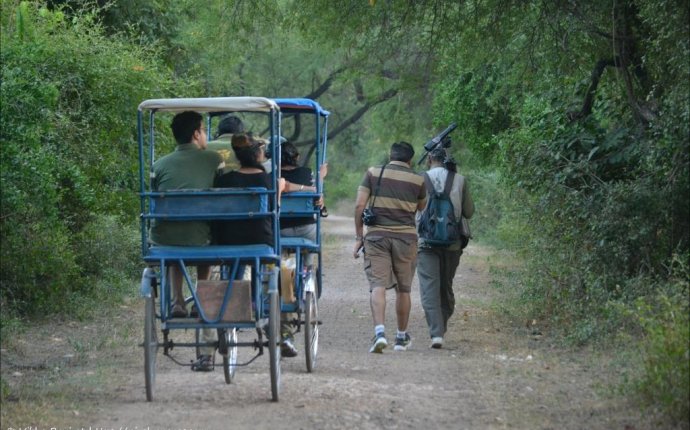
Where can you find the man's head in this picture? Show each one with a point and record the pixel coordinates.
(402, 151)
(188, 127)
(230, 124)
(437, 156)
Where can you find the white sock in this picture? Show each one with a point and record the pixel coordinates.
(401, 334)
(379, 329)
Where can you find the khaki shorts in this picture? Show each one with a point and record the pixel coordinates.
(390, 263)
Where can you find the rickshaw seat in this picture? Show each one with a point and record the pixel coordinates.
(210, 204)
(213, 253)
(298, 242)
(298, 204)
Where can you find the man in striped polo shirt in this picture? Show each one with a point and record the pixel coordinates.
(390, 245)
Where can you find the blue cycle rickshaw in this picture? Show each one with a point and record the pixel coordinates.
(232, 305)
(308, 281)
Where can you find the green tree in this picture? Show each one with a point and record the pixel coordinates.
(68, 150)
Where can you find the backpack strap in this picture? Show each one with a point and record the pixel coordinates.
(449, 183)
(427, 182)
(446, 189)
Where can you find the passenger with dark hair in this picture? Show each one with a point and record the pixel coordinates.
(250, 153)
(298, 178)
(189, 166)
(390, 244)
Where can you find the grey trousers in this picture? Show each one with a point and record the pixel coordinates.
(436, 269)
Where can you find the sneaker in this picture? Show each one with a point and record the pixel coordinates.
(287, 348)
(437, 342)
(380, 343)
(401, 344)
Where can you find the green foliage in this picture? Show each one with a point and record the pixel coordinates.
(105, 248)
(664, 384)
(68, 151)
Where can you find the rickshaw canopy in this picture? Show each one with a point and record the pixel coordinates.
(301, 106)
(211, 104)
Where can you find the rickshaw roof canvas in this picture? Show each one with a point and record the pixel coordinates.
(211, 104)
(301, 105)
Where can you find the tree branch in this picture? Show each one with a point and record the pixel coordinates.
(357, 115)
(588, 102)
(361, 111)
(325, 85)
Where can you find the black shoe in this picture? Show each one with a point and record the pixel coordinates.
(203, 364)
(178, 311)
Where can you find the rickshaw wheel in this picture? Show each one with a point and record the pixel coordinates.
(274, 342)
(311, 330)
(150, 346)
(230, 356)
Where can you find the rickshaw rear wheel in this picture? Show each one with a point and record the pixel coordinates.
(228, 346)
(150, 346)
(274, 342)
(311, 330)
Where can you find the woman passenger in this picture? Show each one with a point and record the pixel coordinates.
(250, 153)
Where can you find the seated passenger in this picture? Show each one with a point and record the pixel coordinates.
(228, 126)
(297, 178)
(250, 153)
(189, 166)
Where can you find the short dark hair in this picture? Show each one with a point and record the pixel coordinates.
(230, 124)
(184, 125)
(289, 155)
(402, 151)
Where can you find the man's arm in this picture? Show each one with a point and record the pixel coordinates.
(467, 203)
(360, 204)
(421, 199)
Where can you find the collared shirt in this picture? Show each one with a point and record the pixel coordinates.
(396, 202)
(188, 167)
(223, 145)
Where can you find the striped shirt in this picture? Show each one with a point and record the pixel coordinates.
(400, 192)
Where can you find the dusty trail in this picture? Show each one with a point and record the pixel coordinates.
(490, 375)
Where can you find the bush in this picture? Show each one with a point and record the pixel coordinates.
(68, 156)
(107, 249)
(665, 381)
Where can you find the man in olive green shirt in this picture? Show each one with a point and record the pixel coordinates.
(190, 166)
(227, 127)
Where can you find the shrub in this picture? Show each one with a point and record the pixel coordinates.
(664, 384)
(68, 155)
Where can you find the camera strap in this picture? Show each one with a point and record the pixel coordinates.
(378, 184)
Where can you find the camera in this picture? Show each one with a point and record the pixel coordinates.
(368, 216)
(442, 139)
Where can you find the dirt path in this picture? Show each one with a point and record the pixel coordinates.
(491, 375)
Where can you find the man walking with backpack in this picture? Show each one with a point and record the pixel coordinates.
(440, 241)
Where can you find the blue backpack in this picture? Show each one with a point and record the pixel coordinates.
(438, 225)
